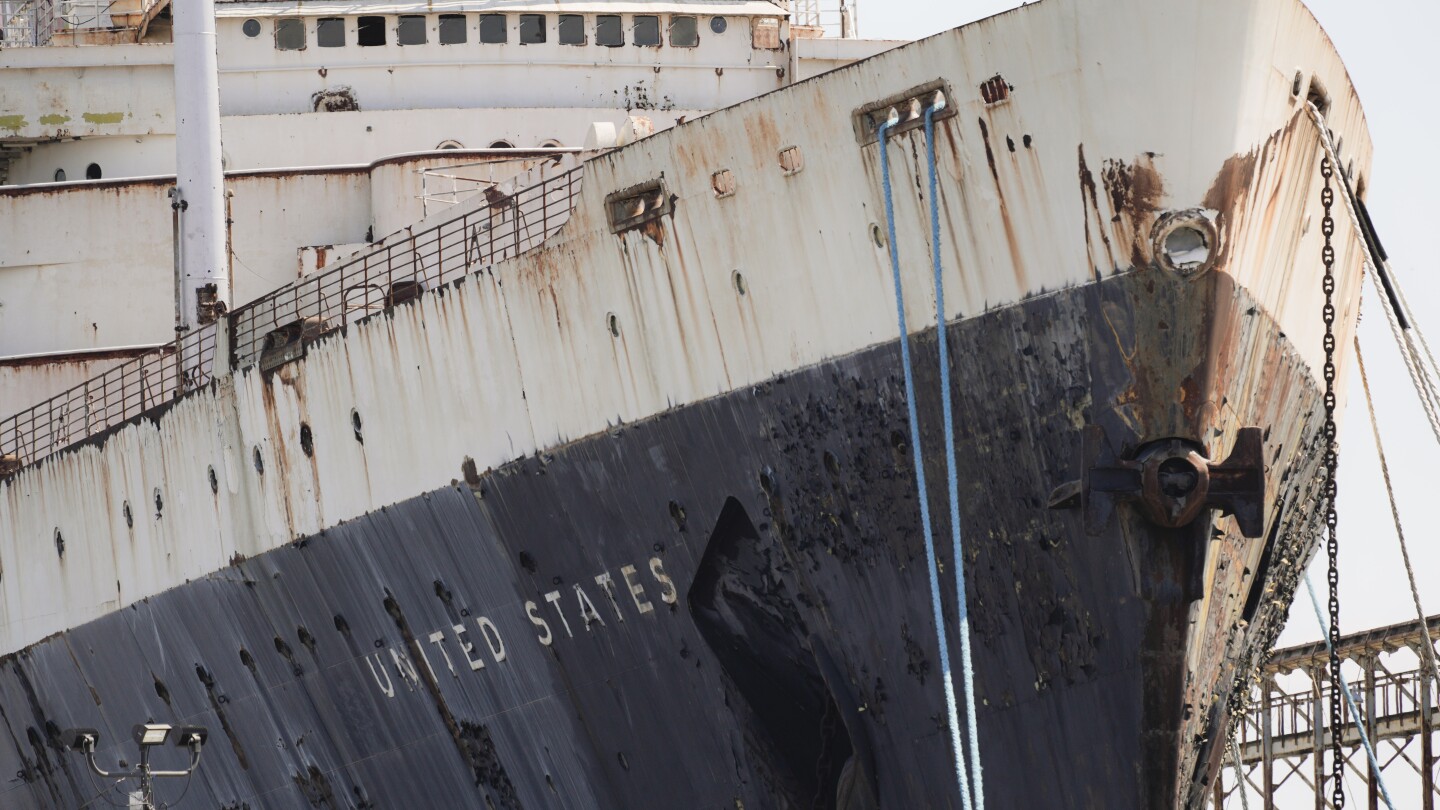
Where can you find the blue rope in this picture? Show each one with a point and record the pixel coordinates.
(950, 707)
(1349, 698)
(967, 667)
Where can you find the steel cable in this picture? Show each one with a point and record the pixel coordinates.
(1429, 656)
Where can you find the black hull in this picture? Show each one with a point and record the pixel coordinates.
(761, 633)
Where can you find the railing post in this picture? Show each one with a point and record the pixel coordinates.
(1317, 721)
(1427, 745)
(1267, 741)
(1373, 782)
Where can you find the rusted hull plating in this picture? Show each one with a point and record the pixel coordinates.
(725, 605)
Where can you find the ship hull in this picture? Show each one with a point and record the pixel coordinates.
(725, 605)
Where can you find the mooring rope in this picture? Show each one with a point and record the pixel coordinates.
(1350, 700)
(1429, 656)
(967, 667)
(935, 603)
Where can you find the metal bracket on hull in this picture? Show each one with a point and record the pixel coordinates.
(1170, 480)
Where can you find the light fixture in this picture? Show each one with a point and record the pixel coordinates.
(151, 734)
(84, 739)
(191, 736)
(148, 736)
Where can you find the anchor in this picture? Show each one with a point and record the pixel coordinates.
(1171, 480)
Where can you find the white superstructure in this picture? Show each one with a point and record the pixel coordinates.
(340, 122)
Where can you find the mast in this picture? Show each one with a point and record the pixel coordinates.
(203, 274)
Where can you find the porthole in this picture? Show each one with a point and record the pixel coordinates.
(502, 145)
(450, 145)
(1185, 242)
(59, 175)
(552, 144)
(251, 28)
(92, 172)
(718, 25)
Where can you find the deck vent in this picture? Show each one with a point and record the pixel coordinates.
(637, 205)
(403, 291)
(287, 342)
(723, 182)
(910, 105)
(995, 89)
(792, 161)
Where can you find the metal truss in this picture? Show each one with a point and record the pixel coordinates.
(1282, 740)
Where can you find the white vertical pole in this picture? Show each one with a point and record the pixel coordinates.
(198, 173)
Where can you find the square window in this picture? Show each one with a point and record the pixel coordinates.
(765, 33)
(609, 31)
(330, 32)
(647, 31)
(532, 29)
(493, 29)
(411, 30)
(452, 29)
(370, 31)
(290, 34)
(572, 29)
(684, 32)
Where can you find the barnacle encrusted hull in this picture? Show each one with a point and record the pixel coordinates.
(727, 605)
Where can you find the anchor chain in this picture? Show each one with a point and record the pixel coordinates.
(1332, 463)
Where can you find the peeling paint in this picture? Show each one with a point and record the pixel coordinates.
(104, 118)
(54, 119)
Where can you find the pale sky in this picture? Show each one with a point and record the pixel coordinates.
(1389, 47)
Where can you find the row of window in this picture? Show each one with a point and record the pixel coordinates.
(610, 30)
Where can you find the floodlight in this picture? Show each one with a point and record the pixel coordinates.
(151, 734)
(191, 736)
(83, 739)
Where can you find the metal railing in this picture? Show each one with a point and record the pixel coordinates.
(836, 17)
(452, 184)
(505, 227)
(34, 23)
(116, 396)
